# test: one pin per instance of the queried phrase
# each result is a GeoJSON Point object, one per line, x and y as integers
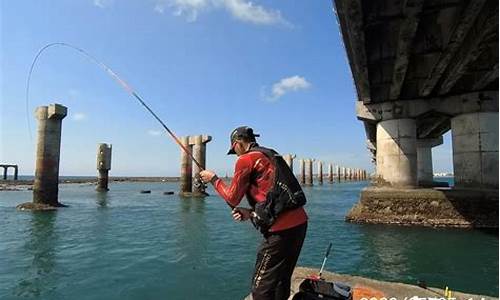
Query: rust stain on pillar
{"type": "Point", "coordinates": [320, 172]}
{"type": "Point", "coordinates": [103, 166]}
{"type": "Point", "coordinates": [45, 187]}
{"type": "Point", "coordinates": [186, 179]}
{"type": "Point", "coordinates": [330, 173]}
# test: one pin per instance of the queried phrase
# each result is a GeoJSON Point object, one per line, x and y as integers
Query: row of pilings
{"type": "Point", "coordinates": [336, 173]}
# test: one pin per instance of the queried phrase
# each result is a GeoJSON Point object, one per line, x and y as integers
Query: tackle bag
{"type": "Point", "coordinates": [313, 289]}
{"type": "Point", "coordinates": [285, 194]}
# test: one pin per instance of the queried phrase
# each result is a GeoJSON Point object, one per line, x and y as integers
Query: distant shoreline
{"type": "Point", "coordinates": [23, 184]}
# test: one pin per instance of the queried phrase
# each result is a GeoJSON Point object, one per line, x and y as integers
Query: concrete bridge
{"type": "Point", "coordinates": [422, 68]}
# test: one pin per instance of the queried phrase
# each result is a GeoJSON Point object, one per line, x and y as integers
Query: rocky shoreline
{"type": "Point", "coordinates": [461, 208]}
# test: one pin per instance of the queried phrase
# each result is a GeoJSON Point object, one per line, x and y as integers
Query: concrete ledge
{"type": "Point", "coordinates": [368, 288]}
{"type": "Point", "coordinates": [427, 207]}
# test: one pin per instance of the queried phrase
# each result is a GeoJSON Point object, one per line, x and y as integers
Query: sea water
{"type": "Point", "coordinates": [127, 245]}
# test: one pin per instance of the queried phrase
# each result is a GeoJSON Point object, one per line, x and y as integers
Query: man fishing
{"type": "Point", "coordinates": [276, 200]}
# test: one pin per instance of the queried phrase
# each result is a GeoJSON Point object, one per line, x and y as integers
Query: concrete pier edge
{"type": "Point", "coordinates": [390, 290]}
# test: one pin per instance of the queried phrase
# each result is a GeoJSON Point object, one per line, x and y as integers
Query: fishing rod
{"type": "Point", "coordinates": [124, 85]}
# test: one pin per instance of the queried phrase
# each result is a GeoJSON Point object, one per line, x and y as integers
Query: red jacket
{"type": "Point", "coordinates": [256, 187]}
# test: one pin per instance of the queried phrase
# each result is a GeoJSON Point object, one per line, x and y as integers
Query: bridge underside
{"type": "Point", "coordinates": [422, 68]}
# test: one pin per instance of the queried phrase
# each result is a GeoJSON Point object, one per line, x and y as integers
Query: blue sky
{"type": "Point", "coordinates": [205, 67]}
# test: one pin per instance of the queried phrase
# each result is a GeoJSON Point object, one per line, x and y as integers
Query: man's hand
{"type": "Point", "coordinates": [241, 214]}
{"type": "Point", "coordinates": [207, 176]}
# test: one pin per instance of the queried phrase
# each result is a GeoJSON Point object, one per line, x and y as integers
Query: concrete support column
{"type": "Point", "coordinates": [338, 173]}
{"type": "Point", "coordinates": [425, 173]}
{"type": "Point", "coordinates": [330, 173]}
{"type": "Point", "coordinates": [397, 153]}
{"type": "Point", "coordinates": [45, 187]}
{"type": "Point", "coordinates": [199, 143]}
{"type": "Point", "coordinates": [320, 172]}
{"type": "Point", "coordinates": [186, 180]}
{"type": "Point", "coordinates": [5, 173]}
{"type": "Point", "coordinates": [289, 160]}
{"type": "Point", "coordinates": [103, 166]}
{"type": "Point", "coordinates": [344, 174]}
{"type": "Point", "coordinates": [475, 150]}
{"type": "Point", "coordinates": [16, 172]}
{"type": "Point", "coordinates": [302, 172]}
{"type": "Point", "coordinates": [309, 177]}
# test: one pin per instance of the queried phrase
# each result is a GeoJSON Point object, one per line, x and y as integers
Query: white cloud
{"type": "Point", "coordinates": [246, 11]}
{"type": "Point", "coordinates": [242, 10]}
{"type": "Point", "coordinates": [103, 3]}
{"type": "Point", "coordinates": [286, 85]}
{"type": "Point", "coordinates": [79, 116]}
{"type": "Point", "coordinates": [154, 132]}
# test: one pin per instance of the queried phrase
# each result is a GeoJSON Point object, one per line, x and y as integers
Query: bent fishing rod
{"type": "Point", "coordinates": [128, 88]}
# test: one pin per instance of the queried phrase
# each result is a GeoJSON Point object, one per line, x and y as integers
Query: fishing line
{"type": "Point", "coordinates": [113, 75]}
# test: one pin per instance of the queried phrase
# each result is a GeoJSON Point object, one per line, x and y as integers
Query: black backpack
{"type": "Point", "coordinates": [314, 289]}
{"type": "Point", "coordinates": [286, 193]}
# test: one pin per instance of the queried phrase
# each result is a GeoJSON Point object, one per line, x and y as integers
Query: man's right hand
{"type": "Point", "coordinates": [241, 214]}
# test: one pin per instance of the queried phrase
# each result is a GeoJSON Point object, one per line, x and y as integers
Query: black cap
{"type": "Point", "coordinates": [239, 133]}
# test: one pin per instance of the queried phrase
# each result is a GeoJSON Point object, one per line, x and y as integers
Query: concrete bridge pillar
{"type": "Point", "coordinates": [5, 173]}
{"type": "Point", "coordinates": [16, 172]}
{"type": "Point", "coordinates": [475, 150]}
{"type": "Point", "coordinates": [338, 173]}
{"type": "Point", "coordinates": [199, 143]}
{"type": "Point", "coordinates": [309, 177]}
{"type": "Point", "coordinates": [186, 180]}
{"type": "Point", "coordinates": [45, 187]}
{"type": "Point", "coordinates": [330, 173]}
{"type": "Point", "coordinates": [289, 160]}
{"type": "Point", "coordinates": [320, 172]}
{"type": "Point", "coordinates": [344, 175]}
{"type": "Point", "coordinates": [103, 166]}
{"type": "Point", "coordinates": [397, 152]}
{"type": "Point", "coordinates": [302, 172]}
{"type": "Point", "coordinates": [425, 173]}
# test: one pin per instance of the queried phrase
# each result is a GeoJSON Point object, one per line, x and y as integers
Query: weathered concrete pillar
{"type": "Point", "coordinates": [103, 166]}
{"type": "Point", "coordinates": [309, 177]}
{"type": "Point", "coordinates": [475, 150]}
{"type": "Point", "coordinates": [320, 172]}
{"type": "Point", "coordinates": [349, 174]}
{"type": "Point", "coordinates": [338, 173]}
{"type": "Point", "coordinates": [5, 173]}
{"type": "Point", "coordinates": [344, 174]}
{"type": "Point", "coordinates": [186, 180]}
{"type": "Point", "coordinates": [45, 187]}
{"type": "Point", "coordinates": [425, 174]}
{"type": "Point", "coordinates": [289, 160]}
{"type": "Point", "coordinates": [397, 153]}
{"type": "Point", "coordinates": [199, 143]}
{"type": "Point", "coordinates": [16, 172]}
{"type": "Point", "coordinates": [302, 172]}
{"type": "Point", "coordinates": [330, 173]}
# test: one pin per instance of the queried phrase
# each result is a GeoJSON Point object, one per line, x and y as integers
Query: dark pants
{"type": "Point", "coordinates": [276, 259]}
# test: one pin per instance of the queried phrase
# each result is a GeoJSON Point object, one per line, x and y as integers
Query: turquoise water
{"type": "Point", "coordinates": [127, 245]}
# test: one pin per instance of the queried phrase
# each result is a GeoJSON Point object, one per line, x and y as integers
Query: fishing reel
{"type": "Point", "coordinates": [198, 183]}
